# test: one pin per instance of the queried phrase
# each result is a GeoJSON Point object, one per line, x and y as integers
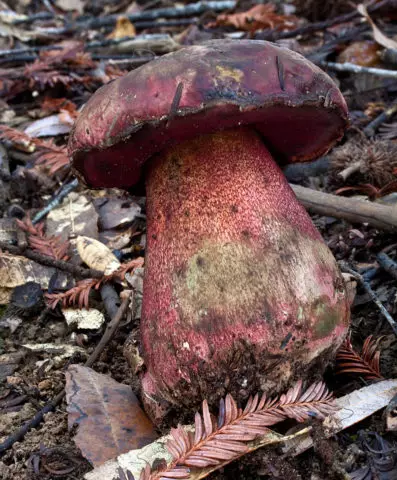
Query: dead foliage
{"type": "Point", "coordinates": [46, 153]}
{"type": "Point", "coordinates": [79, 295]}
{"type": "Point", "coordinates": [219, 440]}
{"type": "Point", "coordinates": [366, 363]}
{"type": "Point", "coordinates": [256, 18]}
{"type": "Point", "coordinates": [51, 245]}
{"type": "Point", "coordinates": [68, 65]}
{"type": "Point", "coordinates": [102, 407]}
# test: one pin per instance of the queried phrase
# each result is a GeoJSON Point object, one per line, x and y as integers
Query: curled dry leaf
{"type": "Point", "coordinates": [256, 18]}
{"type": "Point", "coordinates": [378, 35]}
{"type": "Point", "coordinates": [108, 414]}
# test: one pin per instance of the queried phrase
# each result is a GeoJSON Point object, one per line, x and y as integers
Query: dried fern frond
{"type": "Point", "coordinates": [46, 153]}
{"type": "Point", "coordinates": [52, 157]}
{"type": "Point", "coordinates": [52, 246]}
{"type": "Point", "coordinates": [76, 296]}
{"type": "Point", "coordinates": [366, 364]}
{"type": "Point", "coordinates": [217, 441]}
{"type": "Point", "coordinates": [79, 295]}
{"type": "Point", "coordinates": [17, 138]}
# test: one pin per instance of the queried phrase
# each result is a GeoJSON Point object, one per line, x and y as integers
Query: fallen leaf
{"type": "Point", "coordinates": [353, 408]}
{"type": "Point", "coordinates": [57, 352]}
{"type": "Point", "coordinates": [9, 363]}
{"type": "Point", "coordinates": [117, 212]}
{"type": "Point", "coordinates": [50, 126]}
{"type": "Point", "coordinates": [256, 18]}
{"type": "Point", "coordinates": [76, 214]}
{"type": "Point", "coordinates": [123, 28]}
{"type": "Point", "coordinates": [379, 36]}
{"type": "Point", "coordinates": [70, 5]}
{"type": "Point", "coordinates": [108, 414]}
{"type": "Point", "coordinates": [16, 270]}
{"type": "Point", "coordinates": [364, 53]}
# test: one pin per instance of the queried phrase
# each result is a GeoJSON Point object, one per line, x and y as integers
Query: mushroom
{"type": "Point", "coordinates": [240, 291]}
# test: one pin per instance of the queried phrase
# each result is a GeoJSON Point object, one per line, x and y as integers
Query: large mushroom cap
{"type": "Point", "coordinates": [201, 89]}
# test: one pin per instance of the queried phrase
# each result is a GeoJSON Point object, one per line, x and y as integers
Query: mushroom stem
{"type": "Point", "coordinates": [237, 277]}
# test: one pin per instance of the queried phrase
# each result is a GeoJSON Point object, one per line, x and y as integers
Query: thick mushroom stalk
{"type": "Point", "coordinates": [240, 291]}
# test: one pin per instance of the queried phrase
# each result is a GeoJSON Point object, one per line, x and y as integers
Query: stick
{"type": "Point", "coordinates": [190, 9]}
{"type": "Point", "coordinates": [352, 68]}
{"type": "Point", "coordinates": [388, 265]}
{"type": "Point", "coordinates": [349, 209]}
{"type": "Point", "coordinates": [314, 27]}
{"type": "Point", "coordinates": [56, 200]}
{"type": "Point", "coordinates": [367, 287]}
{"type": "Point", "coordinates": [50, 406]}
{"type": "Point", "coordinates": [371, 128]}
{"type": "Point", "coordinates": [51, 262]}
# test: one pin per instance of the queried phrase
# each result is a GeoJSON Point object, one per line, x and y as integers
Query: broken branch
{"type": "Point", "coordinates": [350, 209]}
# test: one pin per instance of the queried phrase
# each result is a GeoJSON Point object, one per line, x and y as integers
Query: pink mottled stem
{"type": "Point", "coordinates": [239, 287]}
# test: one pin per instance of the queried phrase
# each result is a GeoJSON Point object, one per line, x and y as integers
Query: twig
{"type": "Point", "coordinates": [20, 51]}
{"type": "Point", "coordinates": [371, 128]}
{"type": "Point", "coordinates": [367, 287]}
{"type": "Point", "coordinates": [51, 262]}
{"type": "Point", "coordinates": [178, 22]}
{"type": "Point", "coordinates": [301, 172]}
{"type": "Point", "coordinates": [32, 423]}
{"type": "Point", "coordinates": [352, 68]}
{"type": "Point", "coordinates": [38, 418]}
{"type": "Point", "coordinates": [350, 209]}
{"type": "Point", "coordinates": [56, 200]}
{"type": "Point", "coordinates": [314, 27]}
{"type": "Point", "coordinates": [190, 9]}
{"type": "Point", "coordinates": [387, 264]}
{"type": "Point", "coordinates": [110, 298]}
{"type": "Point", "coordinates": [352, 168]}
{"type": "Point", "coordinates": [109, 332]}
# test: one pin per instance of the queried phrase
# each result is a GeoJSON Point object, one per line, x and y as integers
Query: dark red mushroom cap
{"type": "Point", "coordinates": [201, 89]}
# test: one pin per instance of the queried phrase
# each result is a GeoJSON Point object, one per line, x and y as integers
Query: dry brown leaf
{"type": "Point", "coordinates": [364, 53]}
{"type": "Point", "coordinates": [108, 414]}
{"type": "Point", "coordinates": [16, 270]}
{"type": "Point", "coordinates": [379, 36]}
{"type": "Point", "coordinates": [123, 28]}
{"type": "Point", "coordinates": [256, 18]}
{"type": "Point", "coordinates": [353, 408]}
